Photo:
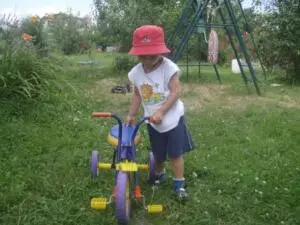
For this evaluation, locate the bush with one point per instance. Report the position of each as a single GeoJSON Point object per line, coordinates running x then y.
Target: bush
{"type": "Point", "coordinates": [278, 33]}
{"type": "Point", "coordinates": [23, 73]}
{"type": "Point", "coordinates": [124, 63]}
{"type": "Point", "coordinates": [36, 30]}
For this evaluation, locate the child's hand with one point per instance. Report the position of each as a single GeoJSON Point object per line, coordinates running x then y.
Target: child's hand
{"type": "Point", "coordinates": [157, 117]}
{"type": "Point", "coordinates": [130, 120]}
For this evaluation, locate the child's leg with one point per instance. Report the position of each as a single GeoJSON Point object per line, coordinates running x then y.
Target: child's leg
{"type": "Point", "coordinates": [178, 167]}
{"type": "Point", "coordinates": [159, 167]}
{"type": "Point", "coordinates": [178, 142]}
{"type": "Point", "coordinates": [158, 145]}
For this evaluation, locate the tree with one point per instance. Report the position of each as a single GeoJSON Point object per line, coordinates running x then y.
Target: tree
{"type": "Point", "coordinates": [70, 33]}
{"type": "Point", "coordinates": [278, 34]}
{"type": "Point", "coordinates": [118, 18]}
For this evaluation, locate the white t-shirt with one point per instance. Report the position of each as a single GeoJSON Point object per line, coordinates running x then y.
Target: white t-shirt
{"type": "Point", "coordinates": [154, 90]}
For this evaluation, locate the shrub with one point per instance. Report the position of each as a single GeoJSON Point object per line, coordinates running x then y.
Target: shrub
{"type": "Point", "coordinates": [23, 73]}
{"type": "Point", "coordinates": [123, 63]}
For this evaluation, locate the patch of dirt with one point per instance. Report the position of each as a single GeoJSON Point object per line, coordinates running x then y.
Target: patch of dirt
{"type": "Point", "coordinates": [102, 90]}
{"type": "Point", "coordinates": [196, 96]}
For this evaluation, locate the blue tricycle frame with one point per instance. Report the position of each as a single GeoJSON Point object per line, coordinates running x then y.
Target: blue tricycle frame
{"type": "Point", "coordinates": [127, 186]}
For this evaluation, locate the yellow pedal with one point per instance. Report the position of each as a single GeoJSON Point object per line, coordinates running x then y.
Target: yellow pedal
{"type": "Point", "coordinates": [99, 203]}
{"type": "Point", "coordinates": [144, 167]}
{"type": "Point", "coordinates": [128, 167]}
{"type": "Point", "coordinates": [104, 166]}
{"type": "Point", "coordinates": [154, 208]}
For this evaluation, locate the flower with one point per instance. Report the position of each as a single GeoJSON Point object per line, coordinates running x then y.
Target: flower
{"type": "Point", "coordinates": [34, 19]}
{"type": "Point", "coordinates": [26, 37]}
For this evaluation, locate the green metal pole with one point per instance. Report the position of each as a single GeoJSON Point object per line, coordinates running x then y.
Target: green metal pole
{"type": "Point", "coordinates": [187, 60]}
{"type": "Point", "coordinates": [235, 51]}
{"type": "Point", "coordinates": [218, 74]}
{"type": "Point", "coordinates": [242, 44]}
{"type": "Point", "coordinates": [253, 41]}
{"type": "Point", "coordinates": [199, 62]}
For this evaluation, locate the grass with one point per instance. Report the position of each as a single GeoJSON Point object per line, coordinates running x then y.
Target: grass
{"type": "Point", "coordinates": [245, 169]}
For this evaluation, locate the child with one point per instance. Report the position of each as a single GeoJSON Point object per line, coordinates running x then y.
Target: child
{"type": "Point", "coordinates": [157, 87]}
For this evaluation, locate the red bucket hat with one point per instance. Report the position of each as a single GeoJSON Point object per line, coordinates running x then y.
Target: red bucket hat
{"type": "Point", "coordinates": [148, 40]}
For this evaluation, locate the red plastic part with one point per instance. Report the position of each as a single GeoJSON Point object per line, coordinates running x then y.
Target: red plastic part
{"type": "Point", "coordinates": [138, 192]}
{"type": "Point", "coordinates": [101, 114]}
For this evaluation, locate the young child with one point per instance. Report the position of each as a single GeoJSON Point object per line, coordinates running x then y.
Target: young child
{"type": "Point", "coordinates": [157, 87]}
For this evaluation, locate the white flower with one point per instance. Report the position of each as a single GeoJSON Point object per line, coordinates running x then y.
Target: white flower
{"type": "Point", "coordinates": [195, 175]}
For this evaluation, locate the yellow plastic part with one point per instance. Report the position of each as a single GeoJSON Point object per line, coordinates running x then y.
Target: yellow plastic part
{"type": "Point", "coordinates": [99, 203]}
{"type": "Point", "coordinates": [154, 208]}
{"type": "Point", "coordinates": [114, 141]}
{"type": "Point", "coordinates": [143, 167]}
{"type": "Point", "coordinates": [128, 167]}
{"type": "Point", "coordinates": [104, 166]}
{"type": "Point", "coordinates": [124, 166]}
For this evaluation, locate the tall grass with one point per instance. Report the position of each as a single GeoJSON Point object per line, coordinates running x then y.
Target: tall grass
{"type": "Point", "coordinates": [23, 72]}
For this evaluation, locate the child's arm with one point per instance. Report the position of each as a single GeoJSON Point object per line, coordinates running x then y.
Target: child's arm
{"type": "Point", "coordinates": [175, 88]}
{"type": "Point", "coordinates": [134, 106]}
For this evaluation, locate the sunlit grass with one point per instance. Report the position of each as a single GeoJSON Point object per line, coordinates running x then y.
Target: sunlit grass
{"type": "Point", "coordinates": [245, 169]}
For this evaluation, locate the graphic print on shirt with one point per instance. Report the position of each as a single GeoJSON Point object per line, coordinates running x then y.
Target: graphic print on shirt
{"type": "Point", "coordinates": [151, 97]}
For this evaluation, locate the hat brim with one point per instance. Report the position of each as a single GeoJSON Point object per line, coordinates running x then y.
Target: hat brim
{"type": "Point", "coordinates": [149, 50]}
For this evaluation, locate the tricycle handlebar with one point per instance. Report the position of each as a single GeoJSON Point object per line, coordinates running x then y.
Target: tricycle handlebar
{"type": "Point", "coordinates": [110, 114]}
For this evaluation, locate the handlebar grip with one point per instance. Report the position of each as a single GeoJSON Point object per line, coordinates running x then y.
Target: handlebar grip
{"type": "Point", "coordinates": [102, 114]}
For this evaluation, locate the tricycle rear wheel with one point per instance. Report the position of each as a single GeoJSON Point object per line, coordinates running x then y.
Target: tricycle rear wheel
{"type": "Point", "coordinates": [95, 158]}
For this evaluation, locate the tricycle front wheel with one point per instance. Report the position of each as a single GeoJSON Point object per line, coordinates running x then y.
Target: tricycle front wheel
{"type": "Point", "coordinates": [151, 166]}
{"type": "Point", "coordinates": [123, 198]}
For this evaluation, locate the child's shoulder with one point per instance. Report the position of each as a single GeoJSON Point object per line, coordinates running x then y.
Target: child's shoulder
{"type": "Point", "coordinates": [134, 72]}
{"type": "Point", "coordinates": [169, 64]}
{"type": "Point", "coordinates": [135, 69]}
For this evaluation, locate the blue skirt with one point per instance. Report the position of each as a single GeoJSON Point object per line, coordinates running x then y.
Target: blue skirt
{"type": "Point", "coordinates": [172, 143]}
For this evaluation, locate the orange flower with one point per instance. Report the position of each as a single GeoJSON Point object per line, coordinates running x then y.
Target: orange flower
{"type": "Point", "coordinates": [34, 19]}
{"type": "Point", "coordinates": [27, 37]}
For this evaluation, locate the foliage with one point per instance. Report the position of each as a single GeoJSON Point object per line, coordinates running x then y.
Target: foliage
{"type": "Point", "coordinates": [24, 73]}
{"type": "Point", "coordinates": [34, 26]}
{"type": "Point", "coordinates": [117, 19]}
{"type": "Point", "coordinates": [70, 34]}
{"type": "Point", "coordinates": [123, 63]}
{"type": "Point", "coordinates": [278, 32]}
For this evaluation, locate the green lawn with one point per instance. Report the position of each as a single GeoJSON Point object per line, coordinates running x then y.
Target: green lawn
{"type": "Point", "coordinates": [245, 170]}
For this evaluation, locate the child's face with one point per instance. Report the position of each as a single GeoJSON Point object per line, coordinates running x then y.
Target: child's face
{"type": "Point", "coordinates": [149, 60]}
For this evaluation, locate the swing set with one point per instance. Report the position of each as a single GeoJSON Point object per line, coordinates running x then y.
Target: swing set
{"type": "Point", "coordinates": [199, 16]}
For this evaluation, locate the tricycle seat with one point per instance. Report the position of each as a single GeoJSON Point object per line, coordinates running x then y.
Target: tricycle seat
{"type": "Point", "coordinates": [127, 131]}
